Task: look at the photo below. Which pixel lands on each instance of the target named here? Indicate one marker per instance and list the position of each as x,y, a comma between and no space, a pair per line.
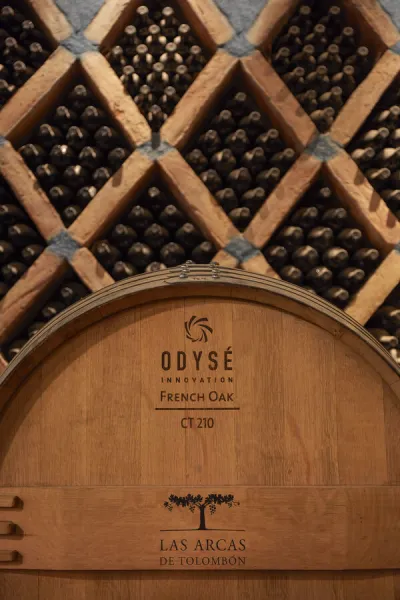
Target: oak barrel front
217,435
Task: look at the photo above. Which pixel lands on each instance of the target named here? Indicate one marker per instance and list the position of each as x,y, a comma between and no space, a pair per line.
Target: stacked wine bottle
385,324
75,152
153,235
241,158
376,148
321,249
20,242
157,59
321,59
69,292
23,50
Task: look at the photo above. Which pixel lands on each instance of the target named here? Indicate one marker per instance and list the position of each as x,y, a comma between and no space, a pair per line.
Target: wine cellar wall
138,136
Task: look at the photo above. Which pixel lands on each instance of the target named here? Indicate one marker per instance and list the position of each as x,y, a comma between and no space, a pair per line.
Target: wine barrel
200,433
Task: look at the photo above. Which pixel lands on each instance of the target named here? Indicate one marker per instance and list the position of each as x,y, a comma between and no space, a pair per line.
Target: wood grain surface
309,453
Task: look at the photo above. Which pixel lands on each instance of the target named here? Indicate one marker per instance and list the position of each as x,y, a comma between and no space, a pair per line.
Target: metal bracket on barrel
200,273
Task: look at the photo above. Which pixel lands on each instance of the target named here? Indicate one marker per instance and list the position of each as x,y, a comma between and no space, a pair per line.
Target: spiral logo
197,330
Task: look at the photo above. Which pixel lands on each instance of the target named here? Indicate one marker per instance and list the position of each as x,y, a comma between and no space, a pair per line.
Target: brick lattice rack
318,155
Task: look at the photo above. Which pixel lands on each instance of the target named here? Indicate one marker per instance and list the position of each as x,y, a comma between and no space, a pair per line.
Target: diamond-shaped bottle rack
326,158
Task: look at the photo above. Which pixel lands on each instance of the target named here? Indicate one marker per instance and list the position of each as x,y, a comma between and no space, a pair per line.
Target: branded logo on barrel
197,375
211,549
198,330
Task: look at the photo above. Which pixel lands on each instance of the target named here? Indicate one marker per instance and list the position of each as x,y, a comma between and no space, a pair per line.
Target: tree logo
196,329
203,505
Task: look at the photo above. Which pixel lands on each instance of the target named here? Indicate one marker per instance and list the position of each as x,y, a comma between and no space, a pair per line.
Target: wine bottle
172,254
12,272
123,236
169,99
76,176
268,179
182,79
188,236
337,296
30,253
156,117
15,348
51,310
211,180
90,158
319,79
240,217
157,200
335,258
320,278
252,124
101,176
387,340
321,238
72,292
224,122
366,259
49,136
254,199
33,155
21,73
48,175
77,138
254,160
140,218
70,214
238,142
122,270
106,254
62,156
227,199
305,258
197,160
270,141
335,218
375,137
155,266
240,180
93,118
351,279
107,138
350,238
10,214
140,255
171,217
223,162
158,79
80,98
37,54
291,237
142,61
85,195
283,160
323,119
277,256
117,157
6,251
156,236
292,274
238,105
155,41
203,253
210,142
362,156
64,117
306,218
